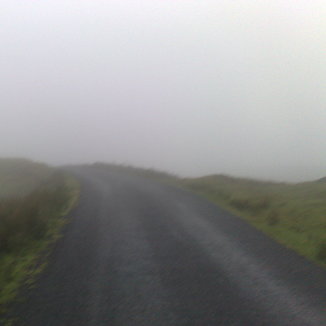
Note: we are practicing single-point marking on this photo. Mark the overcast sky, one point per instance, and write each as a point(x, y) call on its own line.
point(188, 86)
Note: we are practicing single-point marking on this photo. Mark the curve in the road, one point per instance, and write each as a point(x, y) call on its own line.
point(141, 253)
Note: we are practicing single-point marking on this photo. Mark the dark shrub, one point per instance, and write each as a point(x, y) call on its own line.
point(321, 251)
point(272, 218)
point(239, 203)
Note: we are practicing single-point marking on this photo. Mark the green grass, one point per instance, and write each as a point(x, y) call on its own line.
point(29, 224)
point(292, 214)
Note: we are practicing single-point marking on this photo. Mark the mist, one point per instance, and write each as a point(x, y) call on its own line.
point(189, 87)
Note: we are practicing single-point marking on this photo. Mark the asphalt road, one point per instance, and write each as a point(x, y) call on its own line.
point(141, 253)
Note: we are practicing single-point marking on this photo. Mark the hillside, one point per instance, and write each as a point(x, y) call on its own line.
point(293, 214)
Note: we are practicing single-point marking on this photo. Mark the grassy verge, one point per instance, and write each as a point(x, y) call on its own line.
point(292, 214)
point(28, 226)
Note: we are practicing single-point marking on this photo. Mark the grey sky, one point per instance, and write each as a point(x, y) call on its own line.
point(193, 87)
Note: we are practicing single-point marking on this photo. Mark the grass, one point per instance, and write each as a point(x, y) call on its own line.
point(292, 214)
point(29, 224)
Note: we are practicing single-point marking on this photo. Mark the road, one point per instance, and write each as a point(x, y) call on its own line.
point(140, 253)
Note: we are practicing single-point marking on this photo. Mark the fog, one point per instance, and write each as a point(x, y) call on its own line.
point(190, 87)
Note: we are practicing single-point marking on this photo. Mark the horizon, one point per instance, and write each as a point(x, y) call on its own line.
point(192, 88)
point(172, 173)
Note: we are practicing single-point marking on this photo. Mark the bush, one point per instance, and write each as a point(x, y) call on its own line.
point(239, 203)
point(272, 218)
point(321, 251)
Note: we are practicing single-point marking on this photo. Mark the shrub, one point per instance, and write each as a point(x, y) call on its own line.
point(272, 218)
point(239, 203)
point(321, 251)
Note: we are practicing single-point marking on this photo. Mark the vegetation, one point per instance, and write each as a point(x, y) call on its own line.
point(34, 199)
point(293, 214)
point(29, 223)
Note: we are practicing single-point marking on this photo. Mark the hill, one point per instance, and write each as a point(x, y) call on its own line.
point(293, 214)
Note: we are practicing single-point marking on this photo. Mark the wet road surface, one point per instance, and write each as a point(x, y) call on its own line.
point(140, 253)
